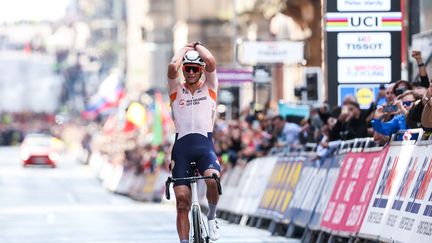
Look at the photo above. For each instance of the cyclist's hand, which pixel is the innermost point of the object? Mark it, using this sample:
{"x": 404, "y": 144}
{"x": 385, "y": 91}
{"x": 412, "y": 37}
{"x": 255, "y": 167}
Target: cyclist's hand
{"x": 191, "y": 45}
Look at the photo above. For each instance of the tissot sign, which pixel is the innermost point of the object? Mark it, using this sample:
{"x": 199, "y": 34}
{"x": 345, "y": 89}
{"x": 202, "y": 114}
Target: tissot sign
{"x": 363, "y": 45}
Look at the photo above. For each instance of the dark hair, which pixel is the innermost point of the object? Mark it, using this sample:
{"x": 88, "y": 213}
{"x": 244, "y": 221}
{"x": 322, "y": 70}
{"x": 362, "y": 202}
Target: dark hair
{"x": 349, "y": 102}
{"x": 409, "y": 92}
{"x": 398, "y": 91}
{"x": 278, "y": 117}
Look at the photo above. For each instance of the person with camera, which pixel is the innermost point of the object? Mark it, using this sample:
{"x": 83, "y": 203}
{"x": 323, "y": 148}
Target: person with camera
{"x": 351, "y": 122}
{"x": 401, "y": 109}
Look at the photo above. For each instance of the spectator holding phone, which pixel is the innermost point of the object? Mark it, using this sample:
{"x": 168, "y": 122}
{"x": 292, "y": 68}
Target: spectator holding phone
{"x": 404, "y": 104}
{"x": 351, "y": 123}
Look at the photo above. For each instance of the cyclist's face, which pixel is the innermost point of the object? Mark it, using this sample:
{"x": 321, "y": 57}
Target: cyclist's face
{"x": 192, "y": 73}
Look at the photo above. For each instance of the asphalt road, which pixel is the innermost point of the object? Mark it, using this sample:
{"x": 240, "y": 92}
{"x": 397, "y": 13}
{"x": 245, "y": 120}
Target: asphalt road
{"x": 68, "y": 204}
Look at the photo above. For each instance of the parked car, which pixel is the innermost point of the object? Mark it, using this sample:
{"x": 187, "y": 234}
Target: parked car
{"x": 40, "y": 149}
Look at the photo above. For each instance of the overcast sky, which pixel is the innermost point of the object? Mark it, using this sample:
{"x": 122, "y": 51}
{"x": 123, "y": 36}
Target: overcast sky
{"x": 13, "y": 10}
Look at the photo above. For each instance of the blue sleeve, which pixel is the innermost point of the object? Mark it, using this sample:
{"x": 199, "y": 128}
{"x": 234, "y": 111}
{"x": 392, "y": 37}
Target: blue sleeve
{"x": 390, "y": 127}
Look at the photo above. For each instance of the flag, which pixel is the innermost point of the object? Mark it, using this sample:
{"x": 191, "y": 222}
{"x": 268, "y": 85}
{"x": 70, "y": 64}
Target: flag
{"x": 157, "y": 126}
{"x": 109, "y": 94}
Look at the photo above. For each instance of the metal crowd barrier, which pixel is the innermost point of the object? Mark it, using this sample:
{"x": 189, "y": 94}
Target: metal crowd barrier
{"x": 362, "y": 191}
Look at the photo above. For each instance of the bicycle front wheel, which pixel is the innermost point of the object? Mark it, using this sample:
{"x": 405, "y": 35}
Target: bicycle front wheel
{"x": 196, "y": 224}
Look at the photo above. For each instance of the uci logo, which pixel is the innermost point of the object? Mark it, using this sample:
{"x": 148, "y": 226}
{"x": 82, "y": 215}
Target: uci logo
{"x": 364, "y": 21}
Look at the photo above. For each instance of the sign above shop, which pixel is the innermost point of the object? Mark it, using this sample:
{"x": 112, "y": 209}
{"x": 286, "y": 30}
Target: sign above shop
{"x": 256, "y": 52}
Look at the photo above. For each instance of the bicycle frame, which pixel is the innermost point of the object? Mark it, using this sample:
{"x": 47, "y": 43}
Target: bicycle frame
{"x": 201, "y": 227}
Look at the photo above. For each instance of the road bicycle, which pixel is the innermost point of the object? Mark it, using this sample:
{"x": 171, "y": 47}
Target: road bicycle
{"x": 199, "y": 229}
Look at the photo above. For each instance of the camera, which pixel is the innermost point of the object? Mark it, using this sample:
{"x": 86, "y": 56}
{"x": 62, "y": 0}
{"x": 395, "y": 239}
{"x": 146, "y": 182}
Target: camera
{"x": 390, "y": 108}
{"x": 400, "y": 91}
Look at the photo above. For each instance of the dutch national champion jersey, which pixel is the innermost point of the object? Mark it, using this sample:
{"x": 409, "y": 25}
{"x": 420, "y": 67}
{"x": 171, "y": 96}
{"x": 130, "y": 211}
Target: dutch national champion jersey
{"x": 194, "y": 113}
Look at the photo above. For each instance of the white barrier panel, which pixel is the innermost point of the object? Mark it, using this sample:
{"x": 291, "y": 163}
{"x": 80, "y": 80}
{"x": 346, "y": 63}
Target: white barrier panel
{"x": 112, "y": 181}
{"x": 403, "y": 222}
{"x": 255, "y": 184}
{"x": 391, "y": 175}
{"x": 244, "y": 185}
{"x": 126, "y": 182}
{"x": 224, "y": 183}
{"x": 420, "y": 198}
{"x": 96, "y": 162}
{"x": 230, "y": 191}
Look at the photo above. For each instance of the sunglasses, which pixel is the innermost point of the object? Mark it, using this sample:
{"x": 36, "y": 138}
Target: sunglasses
{"x": 194, "y": 69}
{"x": 407, "y": 103}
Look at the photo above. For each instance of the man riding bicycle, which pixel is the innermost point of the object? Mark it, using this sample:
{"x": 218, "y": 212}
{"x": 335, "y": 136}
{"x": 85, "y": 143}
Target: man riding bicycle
{"x": 193, "y": 104}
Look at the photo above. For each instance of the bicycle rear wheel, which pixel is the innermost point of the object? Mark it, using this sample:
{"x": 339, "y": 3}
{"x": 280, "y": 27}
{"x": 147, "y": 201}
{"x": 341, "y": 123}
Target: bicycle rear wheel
{"x": 196, "y": 224}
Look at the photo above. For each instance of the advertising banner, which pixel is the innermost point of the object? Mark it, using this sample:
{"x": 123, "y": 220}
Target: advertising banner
{"x": 333, "y": 171}
{"x": 402, "y": 220}
{"x": 273, "y": 185}
{"x": 252, "y": 184}
{"x": 280, "y": 188}
{"x": 308, "y": 192}
{"x": 286, "y": 193}
{"x": 364, "y": 93}
{"x": 370, "y": 21}
{"x": 259, "y": 182}
{"x": 420, "y": 201}
{"x": 353, "y": 190}
{"x": 362, "y": 5}
{"x": 253, "y": 52}
{"x": 364, "y": 70}
{"x": 368, "y": 44}
{"x": 391, "y": 176}
{"x": 364, "y": 45}
{"x": 234, "y": 76}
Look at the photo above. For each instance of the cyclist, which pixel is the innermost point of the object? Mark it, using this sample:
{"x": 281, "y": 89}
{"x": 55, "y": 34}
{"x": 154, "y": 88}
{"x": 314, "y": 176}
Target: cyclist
{"x": 193, "y": 104}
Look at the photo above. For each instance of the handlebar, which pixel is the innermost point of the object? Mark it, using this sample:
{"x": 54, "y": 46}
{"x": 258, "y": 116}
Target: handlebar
{"x": 170, "y": 180}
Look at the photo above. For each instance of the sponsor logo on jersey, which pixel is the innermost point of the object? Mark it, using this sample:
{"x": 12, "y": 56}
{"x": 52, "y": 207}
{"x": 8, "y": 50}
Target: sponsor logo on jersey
{"x": 182, "y": 103}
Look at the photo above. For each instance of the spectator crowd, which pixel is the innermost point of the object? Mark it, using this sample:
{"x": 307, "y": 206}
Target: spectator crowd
{"x": 398, "y": 106}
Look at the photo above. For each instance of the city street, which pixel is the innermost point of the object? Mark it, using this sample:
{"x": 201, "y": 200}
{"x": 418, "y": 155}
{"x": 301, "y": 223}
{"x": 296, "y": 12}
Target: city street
{"x": 68, "y": 204}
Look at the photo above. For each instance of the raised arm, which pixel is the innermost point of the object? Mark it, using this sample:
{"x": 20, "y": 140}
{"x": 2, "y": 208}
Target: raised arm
{"x": 174, "y": 66}
{"x": 422, "y": 69}
{"x": 206, "y": 55}
{"x": 210, "y": 61}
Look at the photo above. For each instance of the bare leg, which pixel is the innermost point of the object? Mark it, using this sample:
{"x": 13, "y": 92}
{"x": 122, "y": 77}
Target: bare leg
{"x": 212, "y": 193}
{"x": 183, "y": 197}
